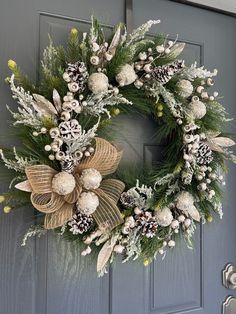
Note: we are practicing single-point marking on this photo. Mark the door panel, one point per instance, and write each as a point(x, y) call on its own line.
point(195, 281)
point(49, 276)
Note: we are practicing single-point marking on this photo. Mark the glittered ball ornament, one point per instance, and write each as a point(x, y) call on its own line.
point(90, 179)
point(164, 217)
point(63, 183)
point(98, 83)
point(87, 203)
point(197, 108)
point(126, 76)
point(184, 88)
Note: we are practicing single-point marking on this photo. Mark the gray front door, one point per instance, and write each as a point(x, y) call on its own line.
point(49, 276)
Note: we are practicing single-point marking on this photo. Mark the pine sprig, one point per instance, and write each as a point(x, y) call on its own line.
point(73, 51)
point(20, 77)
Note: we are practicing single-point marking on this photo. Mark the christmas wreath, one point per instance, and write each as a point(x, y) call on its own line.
point(67, 164)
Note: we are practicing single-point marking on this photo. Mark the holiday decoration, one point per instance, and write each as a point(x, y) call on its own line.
point(68, 164)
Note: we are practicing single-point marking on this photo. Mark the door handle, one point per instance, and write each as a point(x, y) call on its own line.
point(229, 276)
point(229, 306)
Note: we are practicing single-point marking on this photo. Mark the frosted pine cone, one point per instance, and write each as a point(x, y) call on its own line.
point(77, 72)
point(127, 200)
point(164, 73)
point(142, 218)
point(147, 223)
point(150, 228)
point(204, 154)
point(80, 223)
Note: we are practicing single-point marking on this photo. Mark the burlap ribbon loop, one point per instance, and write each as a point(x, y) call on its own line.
point(47, 203)
point(59, 209)
point(58, 218)
point(40, 178)
point(105, 159)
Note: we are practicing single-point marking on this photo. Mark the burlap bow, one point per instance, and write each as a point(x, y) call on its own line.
point(59, 209)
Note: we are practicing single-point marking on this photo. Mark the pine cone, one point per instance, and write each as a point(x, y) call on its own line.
point(164, 73)
point(147, 223)
point(68, 166)
point(150, 228)
point(78, 73)
point(141, 219)
point(127, 200)
point(80, 223)
point(204, 154)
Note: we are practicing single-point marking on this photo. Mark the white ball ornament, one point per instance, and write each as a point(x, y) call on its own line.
point(87, 203)
point(160, 49)
point(90, 179)
point(175, 224)
point(210, 82)
point(204, 95)
point(87, 251)
point(66, 77)
point(187, 222)
point(87, 154)
point(118, 248)
point(126, 76)
point(137, 211)
point(212, 176)
point(65, 115)
point(47, 148)
point(212, 192)
point(185, 88)
point(200, 89)
point(95, 47)
point(167, 51)
point(203, 186)
point(147, 68)
point(98, 83)
point(181, 218)
point(199, 177)
point(116, 91)
point(108, 56)
point(60, 156)
point(73, 87)
point(94, 60)
point(125, 229)
point(138, 67)
point(43, 130)
point(63, 183)
point(197, 108)
point(138, 84)
point(142, 56)
point(171, 243)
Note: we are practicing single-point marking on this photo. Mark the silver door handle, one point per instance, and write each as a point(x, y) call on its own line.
point(229, 306)
point(229, 276)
